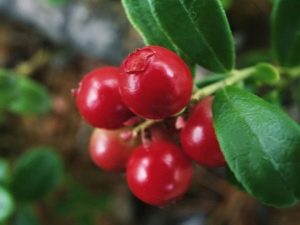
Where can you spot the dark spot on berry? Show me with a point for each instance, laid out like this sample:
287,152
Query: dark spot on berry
138,60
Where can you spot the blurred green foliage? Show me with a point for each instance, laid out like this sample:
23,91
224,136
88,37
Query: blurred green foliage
36,173
21,95
4,172
56,2
6,204
25,215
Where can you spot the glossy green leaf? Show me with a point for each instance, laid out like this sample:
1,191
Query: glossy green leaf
261,145
286,32
6,204
25,215
266,73
4,172
143,19
149,28
32,98
232,179
36,174
199,29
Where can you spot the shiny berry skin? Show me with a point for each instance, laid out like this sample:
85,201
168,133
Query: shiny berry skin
198,137
109,151
159,173
99,101
155,83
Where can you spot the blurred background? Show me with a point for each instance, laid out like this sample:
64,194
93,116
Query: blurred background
46,175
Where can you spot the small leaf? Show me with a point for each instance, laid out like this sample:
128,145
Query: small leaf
25,215
197,29
261,146
266,73
6,204
286,32
36,173
4,172
32,98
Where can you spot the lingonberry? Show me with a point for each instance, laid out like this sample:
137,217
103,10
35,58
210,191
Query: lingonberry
198,137
109,151
155,83
99,101
158,173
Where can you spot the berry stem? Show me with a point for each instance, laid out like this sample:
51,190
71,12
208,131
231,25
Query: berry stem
39,59
141,127
235,76
293,72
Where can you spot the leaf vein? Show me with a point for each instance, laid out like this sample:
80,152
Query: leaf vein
270,158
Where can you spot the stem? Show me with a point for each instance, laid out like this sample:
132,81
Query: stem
236,76
39,59
143,126
293,72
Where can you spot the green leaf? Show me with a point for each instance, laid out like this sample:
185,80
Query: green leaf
32,99
286,32
232,180
198,29
261,145
25,215
266,73
8,88
6,204
36,173
4,172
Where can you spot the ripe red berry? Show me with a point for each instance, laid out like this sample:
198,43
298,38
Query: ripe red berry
198,137
109,150
158,173
99,101
155,83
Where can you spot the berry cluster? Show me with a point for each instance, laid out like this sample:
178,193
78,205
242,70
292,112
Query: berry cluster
151,83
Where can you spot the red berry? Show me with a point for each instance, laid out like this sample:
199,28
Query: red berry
158,173
155,83
99,101
109,150
198,137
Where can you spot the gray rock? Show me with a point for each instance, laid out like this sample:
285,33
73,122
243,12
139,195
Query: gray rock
93,31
